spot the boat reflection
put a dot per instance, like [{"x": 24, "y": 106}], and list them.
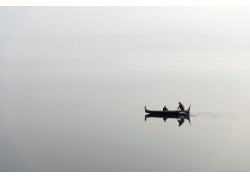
[{"x": 180, "y": 118}]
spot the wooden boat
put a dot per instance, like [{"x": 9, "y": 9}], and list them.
[
  {"x": 182, "y": 115},
  {"x": 168, "y": 113}
]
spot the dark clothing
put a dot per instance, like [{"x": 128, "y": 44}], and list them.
[{"x": 182, "y": 108}]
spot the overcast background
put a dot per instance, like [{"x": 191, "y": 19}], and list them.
[
  {"x": 38, "y": 35},
  {"x": 74, "y": 82}
]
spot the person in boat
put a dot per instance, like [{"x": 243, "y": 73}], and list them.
[
  {"x": 165, "y": 108},
  {"x": 182, "y": 108}
]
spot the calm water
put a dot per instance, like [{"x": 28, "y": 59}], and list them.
[{"x": 91, "y": 117}]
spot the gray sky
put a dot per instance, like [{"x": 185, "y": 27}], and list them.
[{"x": 114, "y": 34}]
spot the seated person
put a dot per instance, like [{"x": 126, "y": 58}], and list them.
[{"x": 165, "y": 109}]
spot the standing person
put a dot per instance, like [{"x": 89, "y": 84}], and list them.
[{"x": 182, "y": 108}]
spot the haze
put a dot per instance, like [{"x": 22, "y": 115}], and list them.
[{"x": 40, "y": 35}]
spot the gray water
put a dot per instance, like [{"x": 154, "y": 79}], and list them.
[
  {"x": 74, "y": 83},
  {"x": 91, "y": 118}
]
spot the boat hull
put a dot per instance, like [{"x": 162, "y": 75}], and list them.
[
  {"x": 168, "y": 113},
  {"x": 182, "y": 115}
]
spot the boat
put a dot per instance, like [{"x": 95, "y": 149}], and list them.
[
  {"x": 181, "y": 116},
  {"x": 168, "y": 113}
]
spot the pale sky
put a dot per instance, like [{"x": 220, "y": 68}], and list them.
[{"x": 109, "y": 34}]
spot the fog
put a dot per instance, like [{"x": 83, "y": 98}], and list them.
[
  {"x": 75, "y": 80},
  {"x": 34, "y": 35}
]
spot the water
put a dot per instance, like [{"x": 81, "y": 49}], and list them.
[{"x": 91, "y": 118}]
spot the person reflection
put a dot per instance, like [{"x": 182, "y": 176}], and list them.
[{"x": 181, "y": 121}]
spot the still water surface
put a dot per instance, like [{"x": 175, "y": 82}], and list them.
[{"x": 91, "y": 117}]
